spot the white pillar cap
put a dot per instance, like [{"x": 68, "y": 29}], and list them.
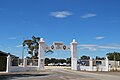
[
  {"x": 90, "y": 58},
  {"x": 25, "y": 57},
  {"x": 106, "y": 58},
  {"x": 74, "y": 40},
  {"x": 41, "y": 40},
  {"x": 8, "y": 56}
]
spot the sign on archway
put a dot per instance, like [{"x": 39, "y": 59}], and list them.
[{"x": 57, "y": 46}]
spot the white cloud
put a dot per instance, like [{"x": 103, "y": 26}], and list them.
[
  {"x": 99, "y": 37},
  {"x": 89, "y": 15},
  {"x": 109, "y": 47},
  {"x": 94, "y": 47},
  {"x": 91, "y": 47},
  {"x": 60, "y": 14},
  {"x": 87, "y": 45},
  {"x": 19, "y": 46},
  {"x": 12, "y": 38}
]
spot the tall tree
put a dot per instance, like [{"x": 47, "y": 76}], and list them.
[
  {"x": 114, "y": 56},
  {"x": 32, "y": 45}
]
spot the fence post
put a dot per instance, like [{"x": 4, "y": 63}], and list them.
[
  {"x": 106, "y": 64},
  {"x": 41, "y": 55},
  {"x": 91, "y": 64},
  {"x": 8, "y": 63},
  {"x": 25, "y": 62},
  {"x": 73, "y": 55}
]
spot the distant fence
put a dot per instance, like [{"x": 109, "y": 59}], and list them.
[
  {"x": 32, "y": 62},
  {"x": 93, "y": 65}
]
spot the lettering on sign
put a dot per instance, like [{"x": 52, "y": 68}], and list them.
[{"x": 58, "y": 45}]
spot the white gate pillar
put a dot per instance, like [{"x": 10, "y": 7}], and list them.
[
  {"x": 41, "y": 54},
  {"x": 25, "y": 62},
  {"x": 8, "y": 63},
  {"x": 74, "y": 55},
  {"x": 106, "y": 64},
  {"x": 91, "y": 64}
]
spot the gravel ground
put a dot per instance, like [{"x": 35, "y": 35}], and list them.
[
  {"x": 60, "y": 74},
  {"x": 109, "y": 73},
  {"x": 54, "y": 74}
]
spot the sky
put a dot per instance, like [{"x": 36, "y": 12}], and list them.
[{"x": 95, "y": 24}]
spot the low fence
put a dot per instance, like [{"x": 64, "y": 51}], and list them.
[
  {"x": 94, "y": 68},
  {"x": 99, "y": 65},
  {"x": 17, "y": 65},
  {"x": 32, "y": 62},
  {"x": 94, "y": 65},
  {"x": 114, "y": 65}
]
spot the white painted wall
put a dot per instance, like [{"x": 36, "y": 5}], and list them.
[{"x": 23, "y": 69}]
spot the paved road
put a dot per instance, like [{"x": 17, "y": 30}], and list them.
[{"x": 59, "y": 74}]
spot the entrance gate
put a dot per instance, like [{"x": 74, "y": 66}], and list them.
[{"x": 57, "y": 46}]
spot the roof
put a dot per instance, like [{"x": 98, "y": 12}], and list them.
[
  {"x": 3, "y": 53},
  {"x": 6, "y": 54}
]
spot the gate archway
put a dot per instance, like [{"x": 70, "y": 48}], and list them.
[{"x": 57, "y": 45}]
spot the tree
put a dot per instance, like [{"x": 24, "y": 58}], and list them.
[
  {"x": 53, "y": 60},
  {"x": 100, "y": 58},
  {"x": 114, "y": 56},
  {"x": 68, "y": 60},
  {"x": 85, "y": 57},
  {"x": 61, "y": 61},
  {"x": 32, "y": 46},
  {"x": 84, "y": 60},
  {"x": 47, "y": 61}
]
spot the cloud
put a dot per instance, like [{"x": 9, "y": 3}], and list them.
[
  {"x": 89, "y": 15},
  {"x": 93, "y": 47},
  {"x": 99, "y": 37},
  {"x": 109, "y": 47},
  {"x": 18, "y": 46},
  {"x": 87, "y": 45},
  {"x": 60, "y": 14},
  {"x": 12, "y": 38}
]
